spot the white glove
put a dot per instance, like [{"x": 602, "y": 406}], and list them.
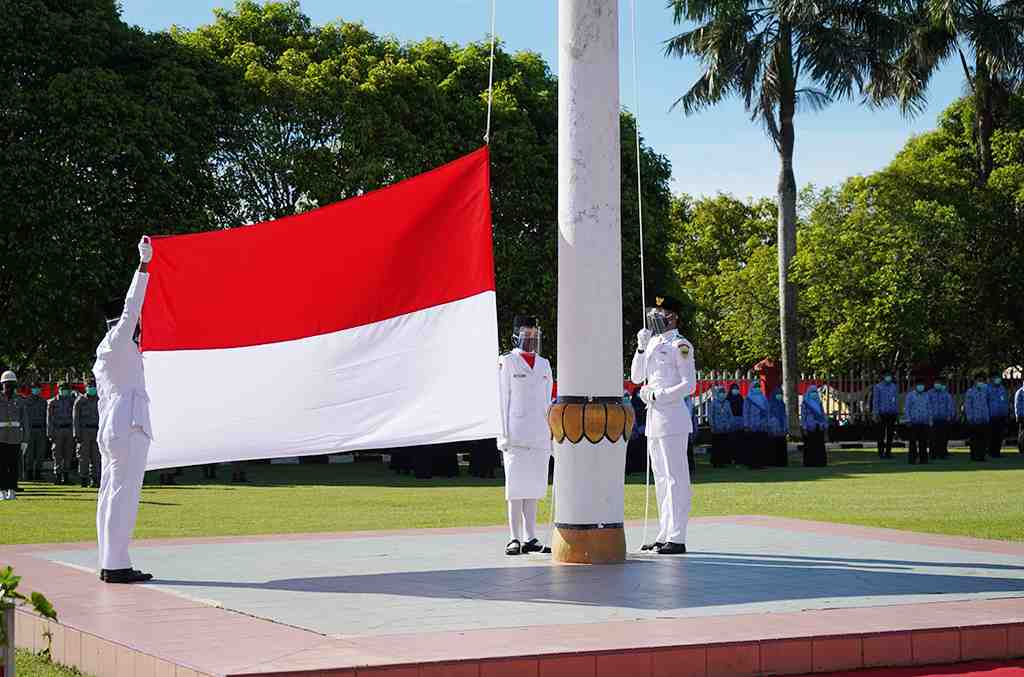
[
  {"x": 24, "y": 447},
  {"x": 643, "y": 337},
  {"x": 145, "y": 249},
  {"x": 647, "y": 395}
]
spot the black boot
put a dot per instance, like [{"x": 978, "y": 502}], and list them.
[{"x": 124, "y": 576}]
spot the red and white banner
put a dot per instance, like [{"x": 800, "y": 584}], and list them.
[{"x": 368, "y": 323}]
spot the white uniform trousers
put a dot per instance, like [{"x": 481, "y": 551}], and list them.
[
  {"x": 671, "y": 486},
  {"x": 124, "y": 467}
]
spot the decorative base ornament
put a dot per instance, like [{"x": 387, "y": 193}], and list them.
[{"x": 590, "y": 418}]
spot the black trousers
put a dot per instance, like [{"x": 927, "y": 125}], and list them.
[
  {"x": 780, "y": 452},
  {"x": 940, "y": 439},
  {"x": 919, "y": 434},
  {"x": 815, "y": 455},
  {"x": 9, "y": 455},
  {"x": 721, "y": 450},
  {"x": 886, "y": 431},
  {"x": 996, "y": 432},
  {"x": 758, "y": 450},
  {"x": 979, "y": 440},
  {"x": 636, "y": 455},
  {"x": 1020, "y": 438}
]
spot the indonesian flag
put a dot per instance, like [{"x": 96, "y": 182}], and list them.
[{"x": 366, "y": 324}]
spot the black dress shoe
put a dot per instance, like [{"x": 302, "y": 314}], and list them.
[
  {"x": 514, "y": 547},
  {"x": 651, "y": 546},
  {"x": 672, "y": 549},
  {"x": 124, "y": 576},
  {"x": 533, "y": 545}
]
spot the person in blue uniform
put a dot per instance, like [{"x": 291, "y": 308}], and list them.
[
  {"x": 778, "y": 425},
  {"x": 723, "y": 424},
  {"x": 918, "y": 413},
  {"x": 814, "y": 424},
  {"x": 1018, "y": 411},
  {"x": 757, "y": 424},
  {"x": 885, "y": 408},
  {"x": 976, "y": 412},
  {"x": 943, "y": 417},
  {"x": 998, "y": 410},
  {"x": 738, "y": 436}
]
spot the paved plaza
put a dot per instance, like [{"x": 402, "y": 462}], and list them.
[{"x": 403, "y": 582}]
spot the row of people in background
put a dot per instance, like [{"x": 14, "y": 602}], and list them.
[
  {"x": 64, "y": 427},
  {"x": 753, "y": 431},
  {"x": 930, "y": 412}
]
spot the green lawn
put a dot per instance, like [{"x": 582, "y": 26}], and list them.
[
  {"x": 950, "y": 497},
  {"x": 28, "y": 663}
]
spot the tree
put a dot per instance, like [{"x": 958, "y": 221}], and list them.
[
  {"x": 108, "y": 134},
  {"x": 720, "y": 246},
  {"x": 780, "y": 56},
  {"x": 935, "y": 31}
]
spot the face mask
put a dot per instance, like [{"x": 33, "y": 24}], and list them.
[
  {"x": 980, "y": 384},
  {"x": 888, "y": 379},
  {"x": 755, "y": 388},
  {"x": 997, "y": 380},
  {"x": 720, "y": 394},
  {"x": 919, "y": 388},
  {"x": 778, "y": 397},
  {"x": 90, "y": 391},
  {"x": 36, "y": 391},
  {"x": 734, "y": 392},
  {"x": 63, "y": 392},
  {"x": 813, "y": 394},
  {"x": 940, "y": 387}
]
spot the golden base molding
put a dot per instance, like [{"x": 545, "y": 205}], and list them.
[
  {"x": 588, "y": 545},
  {"x": 593, "y": 419}
]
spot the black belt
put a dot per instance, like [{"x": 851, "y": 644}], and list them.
[{"x": 63, "y": 427}]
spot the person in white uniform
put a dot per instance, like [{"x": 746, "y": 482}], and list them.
[
  {"x": 124, "y": 429},
  {"x": 664, "y": 363},
  {"x": 525, "y": 381}
]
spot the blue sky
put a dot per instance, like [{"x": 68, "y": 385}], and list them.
[{"x": 718, "y": 150}]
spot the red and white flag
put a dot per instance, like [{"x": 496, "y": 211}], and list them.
[{"x": 366, "y": 324}]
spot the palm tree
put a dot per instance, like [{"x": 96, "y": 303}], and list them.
[
  {"x": 989, "y": 33},
  {"x": 781, "y": 56}
]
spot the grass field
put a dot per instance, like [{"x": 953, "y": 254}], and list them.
[{"x": 955, "y": 496}]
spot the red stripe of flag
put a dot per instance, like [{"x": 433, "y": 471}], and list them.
[{"x": 420, "y": 243}]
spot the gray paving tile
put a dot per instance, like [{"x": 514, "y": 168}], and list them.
[{"x": 365, "y": 586}]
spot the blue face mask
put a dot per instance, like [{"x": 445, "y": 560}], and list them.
[
  {"x": 734, "y": 392},
  {"x": 778, "y": 396},
  {"x": 720, "y": 395},
  {"x": 887, "y": 378},
  {"x": 919, "y": 388},
  {"x": 980, "y": 384},
  {"x": 997, "y": 380},
  {"x": 36, "y": 391},
  {"x": 813, "y": 394},
  {"x": 90, "y": 391},
  {"x": 939, "y": 387},
  {"x": 64, "y": 393}
]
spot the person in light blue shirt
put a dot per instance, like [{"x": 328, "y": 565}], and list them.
[
  {"x": 998, "y": 410},
  {"x": 977, "y": 413},
  {"x": 885, "y": 408},
  {"x": 918, "y": 412},
  {"x": 943, "y": 416},
  {"x": 723, "y": 423},
  {"x": 757, "y": 424},
  {"x": 1018, "y": 411},
  {"x": 814, "y": 423}
]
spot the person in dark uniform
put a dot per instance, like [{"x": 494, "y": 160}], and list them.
[
  {"x": 85, "y": 426},
  {"x": 59, "y": 415},
  {"x": 885, "y": 407},
  {"x": 38, "y": 449}
]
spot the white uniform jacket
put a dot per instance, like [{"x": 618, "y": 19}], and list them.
[
  {"x": 667, "y": 364},
  {"x": 120, "y": 379},
  {"x": 525, "y": 399}
]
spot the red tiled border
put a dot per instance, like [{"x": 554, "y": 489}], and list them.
[{"x": 105, "y": 633}]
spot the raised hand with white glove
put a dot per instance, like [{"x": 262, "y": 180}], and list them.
[
  {"x": 24, "y": 447},
  {"x": 643, "y": 337},
  {"x": 145, "y": 249},
  {"x": 647, "y": 395}
]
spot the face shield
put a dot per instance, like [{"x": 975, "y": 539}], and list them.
[
  {"x": 527, "y": 339},
  {"x": 660, "y": 320}
]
